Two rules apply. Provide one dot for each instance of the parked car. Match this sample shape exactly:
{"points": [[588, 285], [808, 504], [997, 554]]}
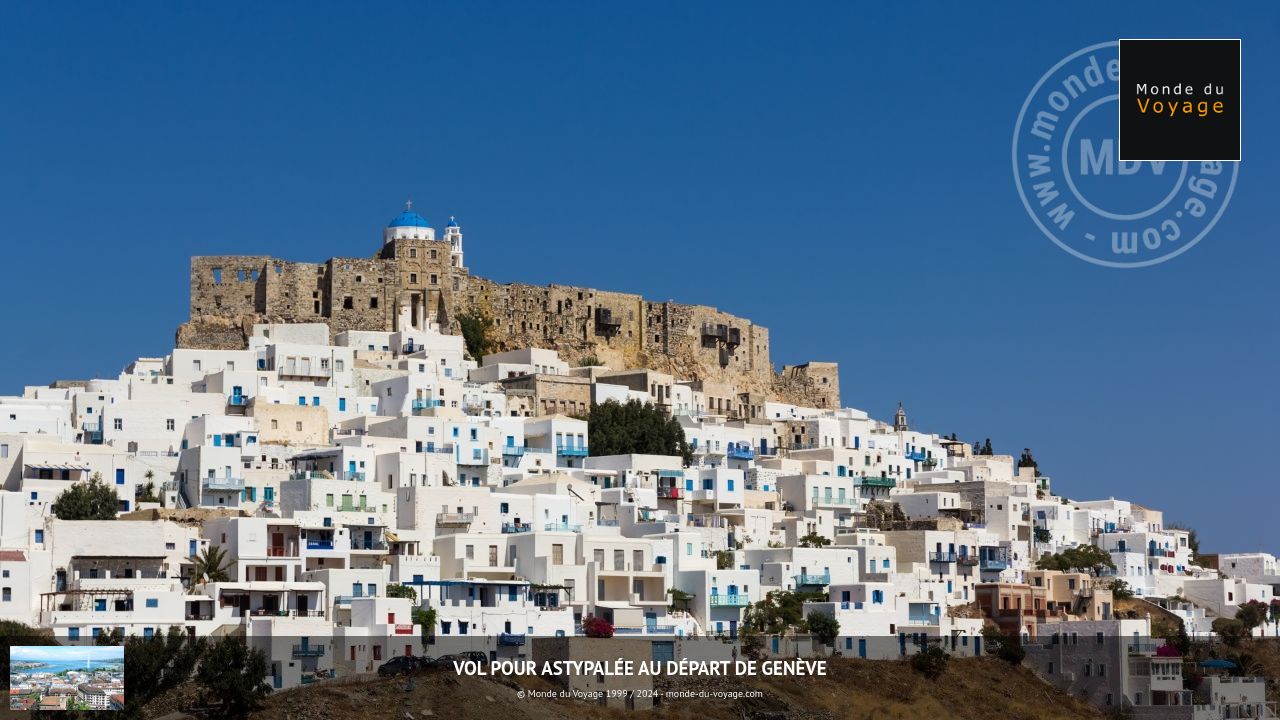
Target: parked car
{"points": [[424, 662], [475, 655], [401, 665]]}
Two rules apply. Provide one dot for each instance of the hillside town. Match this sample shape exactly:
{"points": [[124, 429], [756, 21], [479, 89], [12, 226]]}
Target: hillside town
{"points": [[341, 495]]}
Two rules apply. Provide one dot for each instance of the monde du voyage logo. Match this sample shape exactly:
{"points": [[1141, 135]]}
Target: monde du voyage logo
{"points": [[1164, 193]]}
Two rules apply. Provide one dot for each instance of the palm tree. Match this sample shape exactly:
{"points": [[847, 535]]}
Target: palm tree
{"points": [[209, 566]]}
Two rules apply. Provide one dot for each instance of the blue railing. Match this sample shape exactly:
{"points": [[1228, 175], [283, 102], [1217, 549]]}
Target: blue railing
{"points": [[237, 401], [994, 565], [845, 604], [918, 456], [223, 483], [516, 527], [807, 579], [736, 600], [511, 639], [424, 403], [513, 451], [308, 650], [342, 599], [942, 557], [317, 545], [567, 451], [741, 453], [563, 527]]}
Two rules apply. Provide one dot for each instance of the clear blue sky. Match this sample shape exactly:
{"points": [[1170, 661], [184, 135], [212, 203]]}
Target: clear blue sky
{"points": [[859, 157]]}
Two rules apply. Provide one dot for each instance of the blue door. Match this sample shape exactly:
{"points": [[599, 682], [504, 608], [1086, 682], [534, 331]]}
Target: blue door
{"points": [[862, 647]]}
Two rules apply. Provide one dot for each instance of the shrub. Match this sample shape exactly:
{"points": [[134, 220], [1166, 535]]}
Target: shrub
{"points": [[824, 626], [930, 662], [92, 500], [1006, 647], [594, 627]]}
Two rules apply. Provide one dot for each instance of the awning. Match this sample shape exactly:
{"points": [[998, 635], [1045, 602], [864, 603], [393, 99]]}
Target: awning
{"points": [[57, 466]]}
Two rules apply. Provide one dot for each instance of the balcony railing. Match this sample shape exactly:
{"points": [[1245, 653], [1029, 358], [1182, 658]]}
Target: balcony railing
{"points": [[516, 528], [942, 557], [567, 451], [237, 401], [879, 482], [513, 451], [454, 519], [369, 545], [967, 559], [319, 544], [349, 506], [917, 456], [223, 484], [807, 579], [92, 432], [426, 403], [304, 370], [735, 600], [995, 565], [282, 551], [511, 639], [824, 500], [308, 651], [673, 493], [741, 453], [563, 527]]}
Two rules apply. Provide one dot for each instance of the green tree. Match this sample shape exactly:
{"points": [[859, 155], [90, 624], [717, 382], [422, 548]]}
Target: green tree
{"points": [[1231, 631], [724, 559], [1004, 646], [635, 428], [158, 664], [824, 626], [235, 676], [425, 617], [1252, 614], [1084, 558], [779, 612], [931, 661], [208, 567], [1120, 590], [396, 590], [91, 500], [475, 333], [814, 540]]}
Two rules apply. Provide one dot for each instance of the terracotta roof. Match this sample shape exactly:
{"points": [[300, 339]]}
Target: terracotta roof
{"points": [[12, 556]]}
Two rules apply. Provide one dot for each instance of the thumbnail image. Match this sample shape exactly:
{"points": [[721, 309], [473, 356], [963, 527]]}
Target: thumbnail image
{"points": [[54, 677]]}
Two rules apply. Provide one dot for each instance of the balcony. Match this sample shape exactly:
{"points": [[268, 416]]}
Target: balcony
{"points": [[369, 544], [511, 639], [509, 528], [567, 451], [673, 493], [917, 456], [223, 484], [295, 369], [878, 482], [454, 519], [562, 527], [238, 401], [349, 506], [824, 500], [282, 551], [741, 453], [513, 451], [301, 651], [420, 404], [942, 557], [736, 600], [319, 544], [807, 579], [92, 432], [994, 565], [970, 560]]}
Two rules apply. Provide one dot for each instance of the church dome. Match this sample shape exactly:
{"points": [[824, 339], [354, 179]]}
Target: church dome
{"points": [[408, 218]]}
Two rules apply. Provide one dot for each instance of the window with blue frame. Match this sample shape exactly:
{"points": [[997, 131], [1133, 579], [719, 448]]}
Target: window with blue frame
{"points": [[100, 605], [503, 508], [119, 476], [455, 432], [342, 404], [302, 400], [315, 400], [39, 536], [730, 481], [474, 433], [152, 602], [73, 633]]}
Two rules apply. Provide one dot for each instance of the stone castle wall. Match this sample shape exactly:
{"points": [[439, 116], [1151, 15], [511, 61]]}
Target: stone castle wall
{"points": [[622, 330]]}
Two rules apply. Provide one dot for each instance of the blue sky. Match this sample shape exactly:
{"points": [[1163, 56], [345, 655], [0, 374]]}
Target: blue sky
{"points": [[836, 173], [64, 653]]}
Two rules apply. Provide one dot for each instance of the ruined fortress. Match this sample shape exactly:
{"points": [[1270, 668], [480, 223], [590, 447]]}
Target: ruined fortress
{"points": [[230, 293]]}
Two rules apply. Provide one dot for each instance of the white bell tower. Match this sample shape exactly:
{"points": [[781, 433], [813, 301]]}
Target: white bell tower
{"points": [[453, 235]]}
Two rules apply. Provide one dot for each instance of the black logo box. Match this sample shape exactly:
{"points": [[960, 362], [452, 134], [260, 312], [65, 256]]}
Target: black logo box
{"points": [[1189, 64]]}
